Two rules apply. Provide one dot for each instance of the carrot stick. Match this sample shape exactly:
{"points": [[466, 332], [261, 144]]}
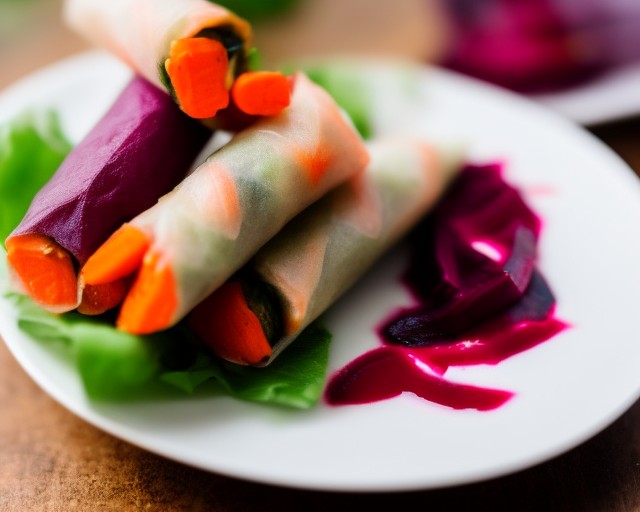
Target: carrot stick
{"points": [[227, 325], [315, 164], [118, 257], [45, 270], [96, 299], [262, 93], [198, 68], [151, 300]]}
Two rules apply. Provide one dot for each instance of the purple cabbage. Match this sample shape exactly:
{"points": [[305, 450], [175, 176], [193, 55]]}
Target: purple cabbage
{"points": [[527, 323], [537, 45], [140, 149], [475, 257]]}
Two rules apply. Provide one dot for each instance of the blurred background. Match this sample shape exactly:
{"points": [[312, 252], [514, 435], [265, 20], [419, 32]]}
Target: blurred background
{"points": [[31, 36], [525, 45]]}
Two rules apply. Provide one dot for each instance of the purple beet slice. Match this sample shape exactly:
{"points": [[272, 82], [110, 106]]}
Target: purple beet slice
{"points": [[473, 303], [477, 258], [525, 324], [139, 150]]}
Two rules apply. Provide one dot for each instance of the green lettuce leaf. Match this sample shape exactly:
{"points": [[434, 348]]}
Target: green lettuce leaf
{"points": [[32, 147], [296, 377], [114, 365], [258, 10]]}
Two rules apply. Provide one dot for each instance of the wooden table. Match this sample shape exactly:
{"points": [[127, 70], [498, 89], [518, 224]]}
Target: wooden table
{"points": [[50, 460]]}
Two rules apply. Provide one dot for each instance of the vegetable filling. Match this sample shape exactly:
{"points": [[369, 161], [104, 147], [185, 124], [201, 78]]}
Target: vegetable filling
{"points": [[240, 321]]}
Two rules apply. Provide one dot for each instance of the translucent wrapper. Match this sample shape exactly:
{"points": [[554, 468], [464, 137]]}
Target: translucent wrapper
{"points": [[241, 196], [138, 151], [327, 248], [140, 32]]}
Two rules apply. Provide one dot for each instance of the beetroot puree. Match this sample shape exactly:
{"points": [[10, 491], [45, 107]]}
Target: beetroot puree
{"points": [[448, 268]]}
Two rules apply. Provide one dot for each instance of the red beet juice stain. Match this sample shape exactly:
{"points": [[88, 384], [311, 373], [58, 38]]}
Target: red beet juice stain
{"points": [[477, 303]]}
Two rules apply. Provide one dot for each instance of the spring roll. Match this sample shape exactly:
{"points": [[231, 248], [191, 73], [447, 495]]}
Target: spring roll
{"points": [[139, 150], [204, 230], [194, 49], [304, 269]]}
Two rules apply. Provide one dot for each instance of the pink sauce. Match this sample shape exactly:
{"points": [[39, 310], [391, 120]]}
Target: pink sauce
{"points": [[390, 370], [420, 368]]}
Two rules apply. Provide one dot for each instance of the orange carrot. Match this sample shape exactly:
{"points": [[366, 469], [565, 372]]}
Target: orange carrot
{"points": [[118, 257], [229, 328], [45, 270], [262, 93], [222, 203], [198, 68], [151, 300], [96, 299], [315, 164]]}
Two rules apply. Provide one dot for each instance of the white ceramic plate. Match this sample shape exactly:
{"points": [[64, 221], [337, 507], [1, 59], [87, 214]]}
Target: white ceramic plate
{"points": [[567, 389], [609, 97]]}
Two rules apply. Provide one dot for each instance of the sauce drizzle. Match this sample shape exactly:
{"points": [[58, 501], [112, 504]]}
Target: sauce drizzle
{"points": [[420, 367]]}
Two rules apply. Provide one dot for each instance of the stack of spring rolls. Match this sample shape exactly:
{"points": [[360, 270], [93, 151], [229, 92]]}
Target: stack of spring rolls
{"points": [[246, 248]]}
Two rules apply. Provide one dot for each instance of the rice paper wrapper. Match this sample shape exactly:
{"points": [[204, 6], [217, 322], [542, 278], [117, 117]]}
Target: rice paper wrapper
{"points": [[327, 248], [140, 149], [241, 196], [140, 32]]}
